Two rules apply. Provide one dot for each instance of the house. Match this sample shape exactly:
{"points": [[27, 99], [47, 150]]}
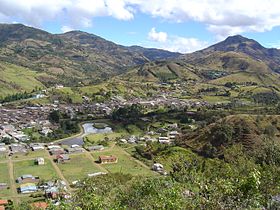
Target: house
{"points": [[28, 178], [57, 151], [39, 205], [62, 158], [163, 140], [96, 174], [37, 146], [124, 141], [132, 140], [3, 203], [107, 159], [157, 167], [18, 149], [3, 186], [74, 150], [173, 133], [55, 189], [28, 188], [95, 148], [46, 131], [53, 146], [40, 161]]}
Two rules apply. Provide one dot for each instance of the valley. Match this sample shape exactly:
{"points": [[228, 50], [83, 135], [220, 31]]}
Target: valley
{"points": [[92, 124]]}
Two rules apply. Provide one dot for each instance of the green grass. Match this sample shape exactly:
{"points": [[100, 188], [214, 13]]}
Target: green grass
{"points": [[68, 93], [126, 164], [30, 154], [94, 138], [3, 156], [45, 172], [78, 168], [15, 79], [215, 99], [4, 178]]}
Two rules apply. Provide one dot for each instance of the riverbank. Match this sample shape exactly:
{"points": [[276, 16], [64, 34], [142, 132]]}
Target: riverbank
{"points": [[87, 128]]}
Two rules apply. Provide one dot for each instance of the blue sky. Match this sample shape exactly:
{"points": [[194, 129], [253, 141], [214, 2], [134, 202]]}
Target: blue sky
{"points": [[176, 25]]}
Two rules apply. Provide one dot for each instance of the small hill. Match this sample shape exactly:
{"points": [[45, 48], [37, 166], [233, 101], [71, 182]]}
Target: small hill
{"points": [[248, 130], [162, 71]]}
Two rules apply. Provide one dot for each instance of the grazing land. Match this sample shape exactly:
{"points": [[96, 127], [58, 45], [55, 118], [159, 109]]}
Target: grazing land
{"points": [[126, 163]]}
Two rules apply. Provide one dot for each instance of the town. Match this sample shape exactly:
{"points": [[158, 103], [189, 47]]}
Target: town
{"points": [[52, 171]]}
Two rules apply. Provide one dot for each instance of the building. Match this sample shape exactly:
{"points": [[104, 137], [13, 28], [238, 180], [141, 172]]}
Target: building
{"points": [[37, 146], [62, 158], [97, 174], [3, 203], [72, 150], [164, 140], [107, 159], [28, 188], [18, 149], [40, 161], [157, 167], [95, 148], [28, 178], [39, 205], [57, 151], [3, 186]]}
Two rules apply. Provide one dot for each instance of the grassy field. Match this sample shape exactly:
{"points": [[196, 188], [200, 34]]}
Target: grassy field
{"points": [[4, 178], [3, 156], [94, 138], [45, 172], [78, 167], [11, 83], [216, 99], [30, 154], [126, 164]]}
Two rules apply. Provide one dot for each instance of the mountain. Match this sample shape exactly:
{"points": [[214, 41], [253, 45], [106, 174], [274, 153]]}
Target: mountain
{"points": [[71, 57], [230, 60], [237, 53]]}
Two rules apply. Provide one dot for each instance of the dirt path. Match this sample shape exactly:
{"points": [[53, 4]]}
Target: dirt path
{"points": [[58, 171], [12, 180], [89, 156]]}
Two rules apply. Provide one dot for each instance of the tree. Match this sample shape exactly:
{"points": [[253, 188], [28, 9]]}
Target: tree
{"points": [[221, 134], [128, 113], [55, 116]]}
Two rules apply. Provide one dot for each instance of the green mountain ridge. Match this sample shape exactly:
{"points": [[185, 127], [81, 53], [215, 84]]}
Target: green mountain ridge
{"points": [[72, 57], [78, 57]]}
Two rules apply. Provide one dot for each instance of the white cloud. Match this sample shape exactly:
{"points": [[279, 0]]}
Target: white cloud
{"points": [[221, 17], [157, 36], [174, 43], [77, 13], [184, 44], [65, 29]]}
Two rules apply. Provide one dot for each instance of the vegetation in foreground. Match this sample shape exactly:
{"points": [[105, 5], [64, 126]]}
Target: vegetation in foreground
{"points": [[236, 182]]}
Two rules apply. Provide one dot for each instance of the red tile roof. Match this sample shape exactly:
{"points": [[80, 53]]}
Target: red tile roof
{"points": [[3, 202], [40, 205]]}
